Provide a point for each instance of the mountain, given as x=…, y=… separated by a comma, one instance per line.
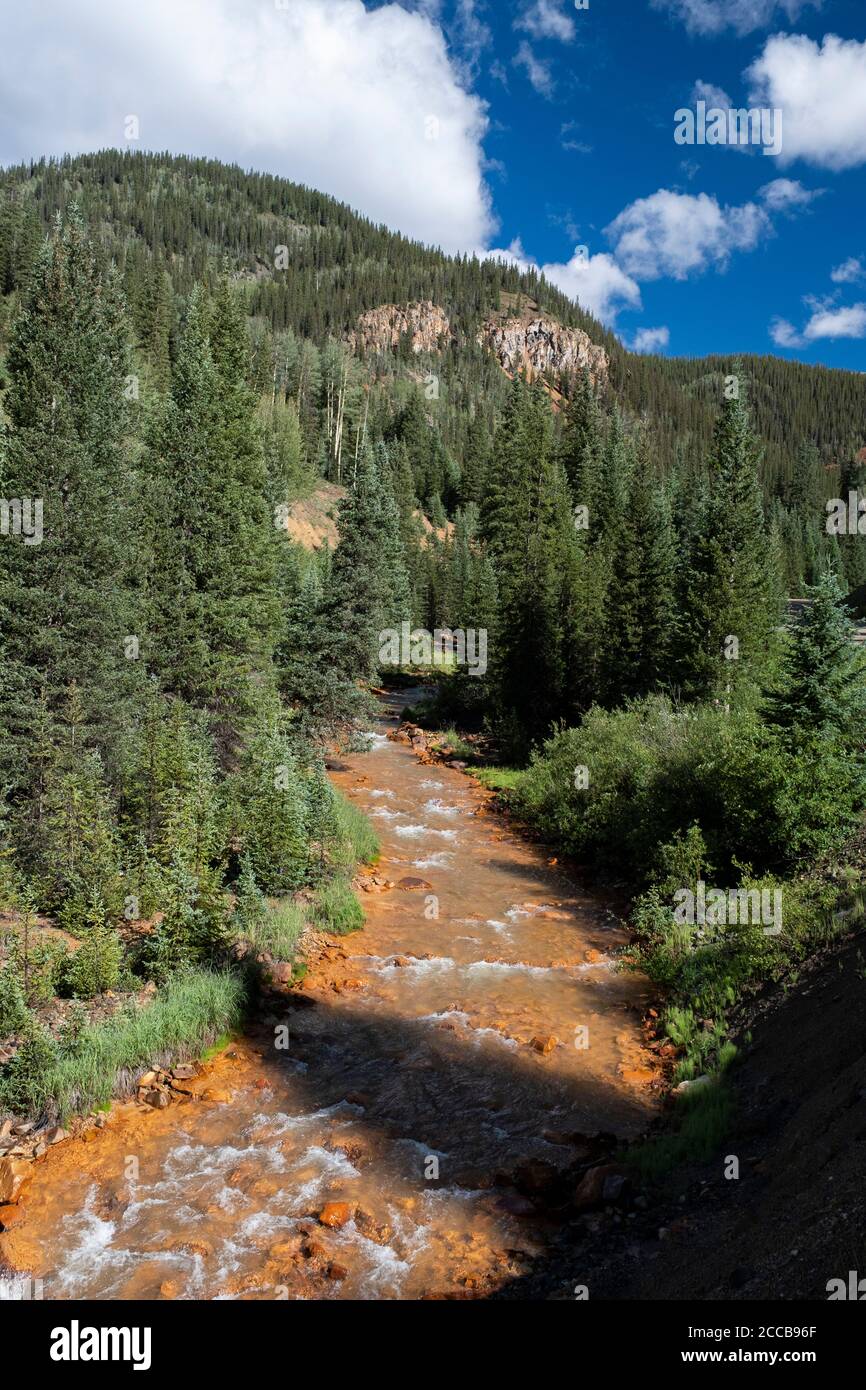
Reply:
x=311, y=265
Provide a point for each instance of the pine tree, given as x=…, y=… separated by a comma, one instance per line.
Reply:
x=822, y=683
x=214, y=611
x=65, y=607
x=729, y=598
x=368, y=588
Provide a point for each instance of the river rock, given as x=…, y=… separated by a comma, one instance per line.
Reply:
x=157, y=1098
x=692, y=1085
x=14, y=1173
x=544, y=1045
x=335, y=1215
x=414, y=885
x=598, y=1186
x=11, y=1216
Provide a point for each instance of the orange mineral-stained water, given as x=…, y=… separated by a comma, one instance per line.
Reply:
x=473, y=1028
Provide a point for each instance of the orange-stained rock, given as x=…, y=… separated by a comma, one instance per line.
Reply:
x=335, y=1214
x=636, y=1076
x=12, y=1216
x=544, y=1045
x=14, y=1173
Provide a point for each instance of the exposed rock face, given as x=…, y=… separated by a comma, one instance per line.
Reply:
x=537, y=343
x=530, y=341
x=379, y=330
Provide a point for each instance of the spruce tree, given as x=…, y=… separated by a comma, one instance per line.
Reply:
x=730, y=600
x=821, y=687
x=65, y=607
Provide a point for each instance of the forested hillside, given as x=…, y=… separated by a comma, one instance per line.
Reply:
x=169, y=221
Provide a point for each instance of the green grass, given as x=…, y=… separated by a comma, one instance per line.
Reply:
x=355, y=841
x=335, y=907
x=449, y=738
x=498, y=779
x=702, y=1119
x=278, y=931
x=193, y=1010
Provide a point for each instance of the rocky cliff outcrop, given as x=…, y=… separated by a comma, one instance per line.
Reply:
x=535, y=343
x=529, y=341
x=380, y=330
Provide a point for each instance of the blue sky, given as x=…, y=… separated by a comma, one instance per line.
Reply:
x=523, y=127
x=581, y=127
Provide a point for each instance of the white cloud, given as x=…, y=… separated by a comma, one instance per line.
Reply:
x=785, y=195
x=679, y=234
x=650, y=339
x=827, y=320
x=597, y=283
x=707, y=17
x=545, y=19
x=713, y=96
x=784, y=334
x=849, y=271
x=821, y=90
x=324, y=92
x=537, y=71
x=567, y=135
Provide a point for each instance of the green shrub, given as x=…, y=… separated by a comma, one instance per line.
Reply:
x=251, y=905
x=658, y=774
x=24, y=1081
x=194, y=928
x=96, y=966
x=13, y=1006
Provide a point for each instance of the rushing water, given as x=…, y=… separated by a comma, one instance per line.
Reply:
x=410, y=1089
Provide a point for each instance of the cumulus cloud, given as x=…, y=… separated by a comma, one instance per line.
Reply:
x=651, y=339
x=545, y=19
x=712, y=95
x=680, y=234
x=787, y=195
x=821, y=91
x=709, y=17
x=364, y=104
x=827, y=320
x=538, y=72
x=849, y=271
x=597, y=283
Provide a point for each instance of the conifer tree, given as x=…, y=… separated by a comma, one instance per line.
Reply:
x=65, y=608
x=214, y=609
x=729, y=598
x=821, y=687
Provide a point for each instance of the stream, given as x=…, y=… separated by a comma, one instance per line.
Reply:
x=476, y=1024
